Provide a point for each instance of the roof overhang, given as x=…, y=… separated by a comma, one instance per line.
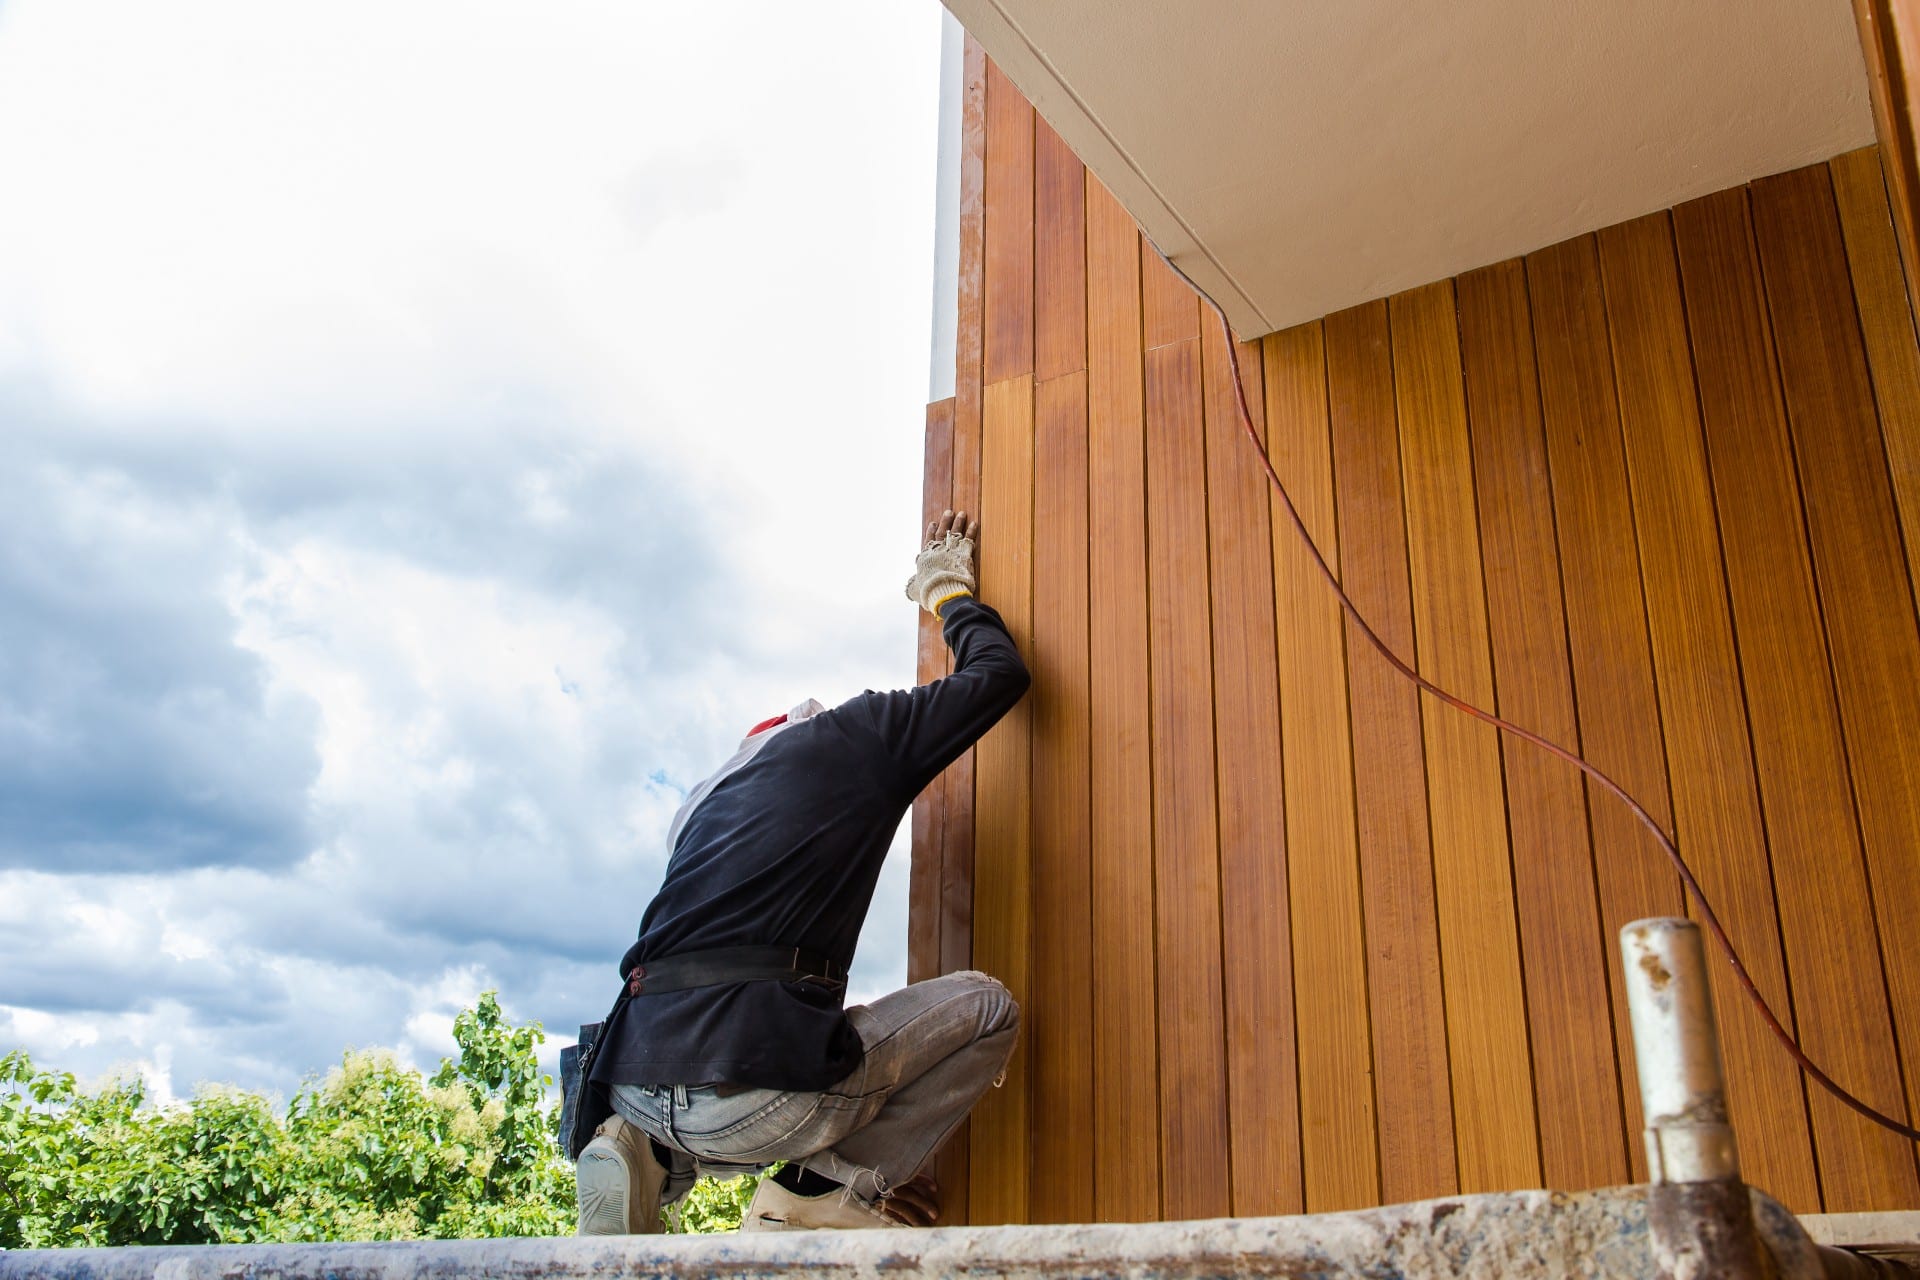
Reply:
x=1293, y=159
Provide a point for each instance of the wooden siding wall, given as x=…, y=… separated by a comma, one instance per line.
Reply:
x=1290, y=936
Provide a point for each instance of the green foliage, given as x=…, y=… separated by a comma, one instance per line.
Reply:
x=374, y=1151
x=713, y=1206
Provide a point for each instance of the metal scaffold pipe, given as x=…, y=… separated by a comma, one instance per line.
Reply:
x=1699, y=1213
x=1676, y=1050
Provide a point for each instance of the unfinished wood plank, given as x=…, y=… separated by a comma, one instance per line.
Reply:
x=1337, y=1166
x=1886, y=323
x=1703, y=715
x=1192, y=1021
x=956, y=885
x=1169, y=308
x=1611, y=655
x=1003, y=796
x=1060, y=256
x=1059, y=1016
x=923, y=884
x=1875, y=646
x=1583, y=1137
x=1257, y=945
x=1007, y=322
x=1126, y=1090
x=956, y=896
x=1412, y=1085
x=1493, y=1105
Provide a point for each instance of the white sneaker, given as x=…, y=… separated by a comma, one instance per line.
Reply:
x=775, y=1208
x=618, y=1182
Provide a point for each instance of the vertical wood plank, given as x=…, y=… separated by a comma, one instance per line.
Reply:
x=1583, y=1137
x=1059, y=1018
x=1008, y=321
x=1886, y=322
x=1887, y=40
x=1495, y=1129
x=956, y=885
x=1003, y=815
x=1003, y=759
x=1804, y=792
x=929, y=817
x=1607, y=640
x=1410, y=1050
x=1257, y=946
x=1338, y=1165
x=1193, y=1083
x=1703, y=713
x=1169, y=308
x=1126, y=1092
x=1060, y=256
x=1875, y=644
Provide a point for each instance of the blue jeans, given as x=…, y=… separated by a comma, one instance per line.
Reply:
x=932, y=1050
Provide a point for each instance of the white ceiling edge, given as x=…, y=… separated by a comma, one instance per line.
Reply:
x=1293, y=159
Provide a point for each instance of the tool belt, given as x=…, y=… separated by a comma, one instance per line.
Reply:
x=584, y=1104
x=731, y=964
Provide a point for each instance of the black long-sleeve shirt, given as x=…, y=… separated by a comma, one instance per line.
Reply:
x=786, y=851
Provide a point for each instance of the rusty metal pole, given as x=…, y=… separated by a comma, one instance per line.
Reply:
x=1699, y=1214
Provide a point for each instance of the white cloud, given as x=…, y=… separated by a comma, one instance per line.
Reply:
x=453, y=423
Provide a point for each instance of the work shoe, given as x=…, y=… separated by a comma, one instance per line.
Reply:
x=775, y=1208
x=617, y=1182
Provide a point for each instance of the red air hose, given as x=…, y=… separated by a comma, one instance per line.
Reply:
x=1707, y=914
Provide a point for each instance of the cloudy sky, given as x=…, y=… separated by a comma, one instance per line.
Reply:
x=433, y=432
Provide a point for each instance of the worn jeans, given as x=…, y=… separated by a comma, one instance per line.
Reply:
x=932, y=1050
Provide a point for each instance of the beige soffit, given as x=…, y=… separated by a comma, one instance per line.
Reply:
x=1294, y=158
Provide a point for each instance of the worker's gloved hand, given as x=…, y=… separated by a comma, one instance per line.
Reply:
x=944, y=567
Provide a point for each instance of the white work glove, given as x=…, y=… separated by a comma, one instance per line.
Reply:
x=944, y=567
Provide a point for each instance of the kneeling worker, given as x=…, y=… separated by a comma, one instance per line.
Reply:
x=730, y=1049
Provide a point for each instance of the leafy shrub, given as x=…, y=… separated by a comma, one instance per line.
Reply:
x=373, y=1151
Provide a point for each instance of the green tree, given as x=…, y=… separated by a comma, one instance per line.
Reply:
x=374, y=1151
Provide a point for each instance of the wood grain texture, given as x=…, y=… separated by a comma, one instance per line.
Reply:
x=1003, y=797
x=1060, y=256
x=1257, y=944
x=1059, y=1017
x=1607, y=641
x=1650, y=516
x=1886, y=322
x=1192, y=1021
x=1169, y=308
x=1337, y=1165
x=1804, y=793
x=1583, y=1136
x=929, y=818
x=1413, y=1087
x=1875, y=646
x=1495, y=1133
x=1889, y=54
x=1126, y=1067
x=956, y=884
x=1703, y=713
x=1007, y=319
x=1059, y=1014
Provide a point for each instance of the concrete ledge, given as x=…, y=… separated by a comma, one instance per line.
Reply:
x=1593, y=1235
x=1533, y=1233
x=1894, y=1234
